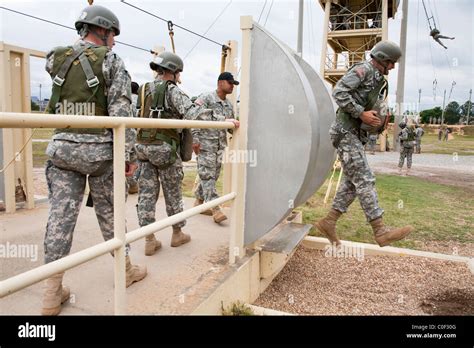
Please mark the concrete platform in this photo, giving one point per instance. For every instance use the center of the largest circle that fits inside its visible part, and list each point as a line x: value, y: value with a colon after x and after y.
x: 178, y: 278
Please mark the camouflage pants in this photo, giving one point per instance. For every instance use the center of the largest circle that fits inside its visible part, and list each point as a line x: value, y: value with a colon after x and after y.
x: 358, y: 180
x: 405, y: 152
x: 209, y: 165
x: 171, y: 179
x: 418, y: 146
x: 66, y: 192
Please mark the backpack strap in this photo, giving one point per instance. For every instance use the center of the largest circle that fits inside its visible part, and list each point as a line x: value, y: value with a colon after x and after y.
x: 59, y: 79
x: 159, y: 96
x: 374, y: 94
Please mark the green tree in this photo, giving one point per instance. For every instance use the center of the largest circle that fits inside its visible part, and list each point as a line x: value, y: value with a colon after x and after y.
x: 34, y: 106
x: 430, y: 113
x: 452, y: 113
x: 463, y: 110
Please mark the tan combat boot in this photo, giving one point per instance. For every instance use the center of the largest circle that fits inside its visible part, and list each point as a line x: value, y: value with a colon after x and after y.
x: 218, y: 215
x: 385, y: 235
x: 179, y: 238
x: 152, y: 245
x: 199, y: 202
x: 133, y: 189
x: 54, y: 294
x: 133, y: 273
x: 407, y: 172
x: 327, y: 226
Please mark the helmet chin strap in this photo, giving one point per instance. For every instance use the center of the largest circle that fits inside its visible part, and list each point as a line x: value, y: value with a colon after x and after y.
x: 101, y: 38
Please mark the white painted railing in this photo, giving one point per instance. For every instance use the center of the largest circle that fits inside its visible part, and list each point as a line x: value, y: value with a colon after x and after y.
x: 117, y: 244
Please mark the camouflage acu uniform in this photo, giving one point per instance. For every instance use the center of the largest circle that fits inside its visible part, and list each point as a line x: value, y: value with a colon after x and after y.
x: 152, y: 156
x: 418, y: 134
x: 406, y: 149
x: 351, y: 93
x: 212, y: 145
x: 75, y: 157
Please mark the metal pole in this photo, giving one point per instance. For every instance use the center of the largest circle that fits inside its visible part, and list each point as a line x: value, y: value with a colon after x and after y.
x: 469, y: 106
x: 401, y: 75
x: 324, y: 49
x: 299, y: 48
x: 119, y: 219
x: 442, y: 114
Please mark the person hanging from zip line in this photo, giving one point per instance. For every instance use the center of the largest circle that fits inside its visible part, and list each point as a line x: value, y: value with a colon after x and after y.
x: 436, y: 34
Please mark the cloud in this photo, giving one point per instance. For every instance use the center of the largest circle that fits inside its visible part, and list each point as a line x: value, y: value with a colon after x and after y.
x: 202, y: 65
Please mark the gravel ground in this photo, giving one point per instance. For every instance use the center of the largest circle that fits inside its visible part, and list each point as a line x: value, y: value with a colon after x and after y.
x: 313, y: 284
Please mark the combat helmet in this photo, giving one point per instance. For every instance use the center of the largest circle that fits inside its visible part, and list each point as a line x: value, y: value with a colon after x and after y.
x: 169, y: 61
x: 100, y: 17
x: 385, y: 51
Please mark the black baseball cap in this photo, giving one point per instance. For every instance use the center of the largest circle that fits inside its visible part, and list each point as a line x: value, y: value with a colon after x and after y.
x: 229, y: 77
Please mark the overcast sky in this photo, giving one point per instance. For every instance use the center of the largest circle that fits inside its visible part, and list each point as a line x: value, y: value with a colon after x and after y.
x: 202, y: 65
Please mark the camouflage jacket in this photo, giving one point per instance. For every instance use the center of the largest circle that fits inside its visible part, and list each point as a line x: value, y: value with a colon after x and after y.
x: 352, y: 90
x: 221, y: 110
x: 118, y: 93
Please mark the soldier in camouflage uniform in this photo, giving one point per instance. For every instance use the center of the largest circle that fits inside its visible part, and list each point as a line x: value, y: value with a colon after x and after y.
x: 419, y: 132
x: 210, y: 144
x: 157, y: 149
x: 87, y: 72
x: 407, y: 140
x: 355, y: 93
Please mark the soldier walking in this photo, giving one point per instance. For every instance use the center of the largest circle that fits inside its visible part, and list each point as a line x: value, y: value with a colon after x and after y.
x: 354, y: 93
x: 87, y: 72
x: 158, y: 149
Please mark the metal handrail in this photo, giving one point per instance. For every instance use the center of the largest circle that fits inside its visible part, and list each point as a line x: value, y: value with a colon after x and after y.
x: 117, y: 244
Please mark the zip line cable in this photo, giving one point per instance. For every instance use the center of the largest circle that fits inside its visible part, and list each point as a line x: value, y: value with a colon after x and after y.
x: 268, y: 14
x: 65, y: 26
x: 212, y: 24
x: 174, y: 24
x: 261, y: 12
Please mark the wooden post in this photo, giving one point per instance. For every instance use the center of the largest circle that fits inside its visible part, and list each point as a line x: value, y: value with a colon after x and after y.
x: 231, y: 65
x: 239, y: 143
x: 324, y: 48
x: 16, y: 97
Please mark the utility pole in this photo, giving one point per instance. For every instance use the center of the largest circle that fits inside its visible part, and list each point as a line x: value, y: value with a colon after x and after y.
x: 442, y: 114
x: 401, y: 76
x: 299, y: 47
x: 469, y: 106
x: 40, y: 92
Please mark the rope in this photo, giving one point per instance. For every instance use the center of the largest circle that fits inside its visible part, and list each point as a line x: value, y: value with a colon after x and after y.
x: 165, y: 20
x: 261, y: 12
x: 19, y: 152
x: 65, y: 26
x: 170, y: 29
x: 209, y: 28
x: 268, y: 14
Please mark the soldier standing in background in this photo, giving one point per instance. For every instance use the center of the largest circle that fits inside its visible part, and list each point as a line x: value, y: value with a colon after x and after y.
x: 419, y: 132
x: 355, y: 93
x: 87, y: 72
x: 407, y: 142
x: 209, y: 144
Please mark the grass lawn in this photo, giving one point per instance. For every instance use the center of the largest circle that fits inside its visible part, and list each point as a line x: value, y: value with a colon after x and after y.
x: 43, y: 133
x: 438, y: 212
x: 39, y: 156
